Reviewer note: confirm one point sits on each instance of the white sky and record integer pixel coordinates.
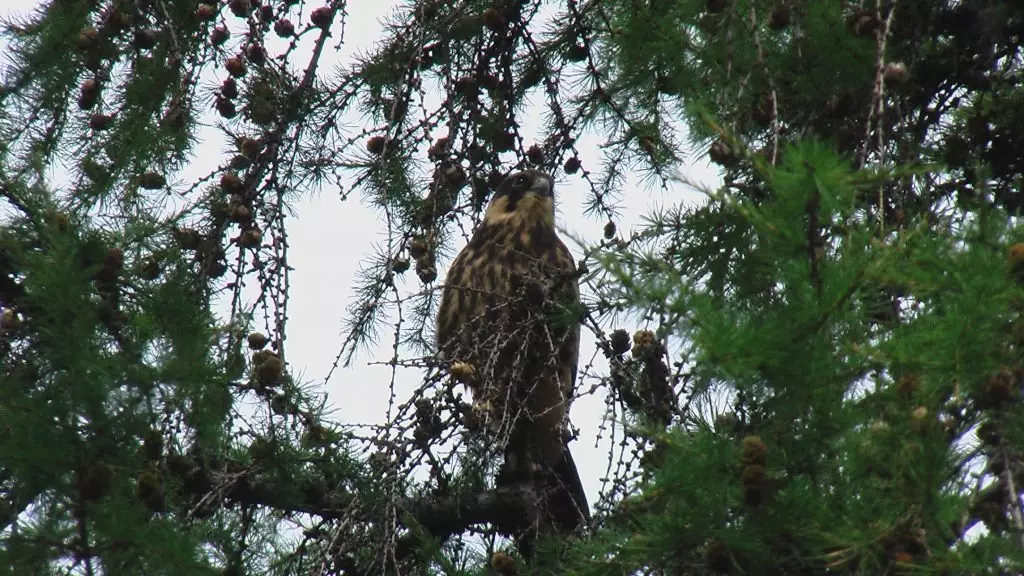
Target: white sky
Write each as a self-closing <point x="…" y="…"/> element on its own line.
<point x="321" y="284"/>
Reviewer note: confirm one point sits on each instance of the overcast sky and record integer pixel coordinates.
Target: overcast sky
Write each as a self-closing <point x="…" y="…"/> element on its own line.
<point x="324" y="273"/>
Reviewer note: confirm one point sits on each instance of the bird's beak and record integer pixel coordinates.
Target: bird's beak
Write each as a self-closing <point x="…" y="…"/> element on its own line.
<point x="543" y="186"/>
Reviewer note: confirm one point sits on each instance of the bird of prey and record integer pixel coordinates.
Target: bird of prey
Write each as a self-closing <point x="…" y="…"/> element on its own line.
<point x="509" y="319"/>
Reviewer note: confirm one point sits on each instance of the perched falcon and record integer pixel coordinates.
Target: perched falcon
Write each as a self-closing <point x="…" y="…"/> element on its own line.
<point x="509" y="311"/>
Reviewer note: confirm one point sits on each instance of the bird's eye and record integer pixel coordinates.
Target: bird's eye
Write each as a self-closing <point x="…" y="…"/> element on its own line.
<point x="521" y="181"/>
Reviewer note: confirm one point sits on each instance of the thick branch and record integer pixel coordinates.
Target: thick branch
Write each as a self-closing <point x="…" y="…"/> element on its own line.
<point x="509" y="508"/>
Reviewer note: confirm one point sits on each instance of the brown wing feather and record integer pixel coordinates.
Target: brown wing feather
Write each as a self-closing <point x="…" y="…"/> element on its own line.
<point x="469" y="303"/>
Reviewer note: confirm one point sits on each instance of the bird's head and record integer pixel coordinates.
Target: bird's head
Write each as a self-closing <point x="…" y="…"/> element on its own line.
<point x="527" y="195"/>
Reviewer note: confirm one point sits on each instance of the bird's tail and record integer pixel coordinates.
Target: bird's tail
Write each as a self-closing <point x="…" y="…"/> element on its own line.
<point x="564" y="499"/>
<point x="563" y="503"/>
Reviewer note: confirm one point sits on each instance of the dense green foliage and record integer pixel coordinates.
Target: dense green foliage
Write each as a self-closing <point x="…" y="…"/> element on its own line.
<point x="829" y="375"/>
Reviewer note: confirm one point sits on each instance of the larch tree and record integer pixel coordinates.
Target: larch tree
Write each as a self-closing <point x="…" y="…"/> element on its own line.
<point x="827" y="378"/>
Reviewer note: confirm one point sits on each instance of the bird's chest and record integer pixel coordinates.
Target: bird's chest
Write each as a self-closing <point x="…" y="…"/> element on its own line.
<point x="514" y="275"/>
<point x="500" y="289"/>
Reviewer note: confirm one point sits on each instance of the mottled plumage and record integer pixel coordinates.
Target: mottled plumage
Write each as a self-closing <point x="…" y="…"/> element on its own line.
<point x="508" y="310"/>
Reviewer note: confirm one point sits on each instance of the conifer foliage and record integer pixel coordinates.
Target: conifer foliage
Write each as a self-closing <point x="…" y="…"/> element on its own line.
<point x="827" y="378"/>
